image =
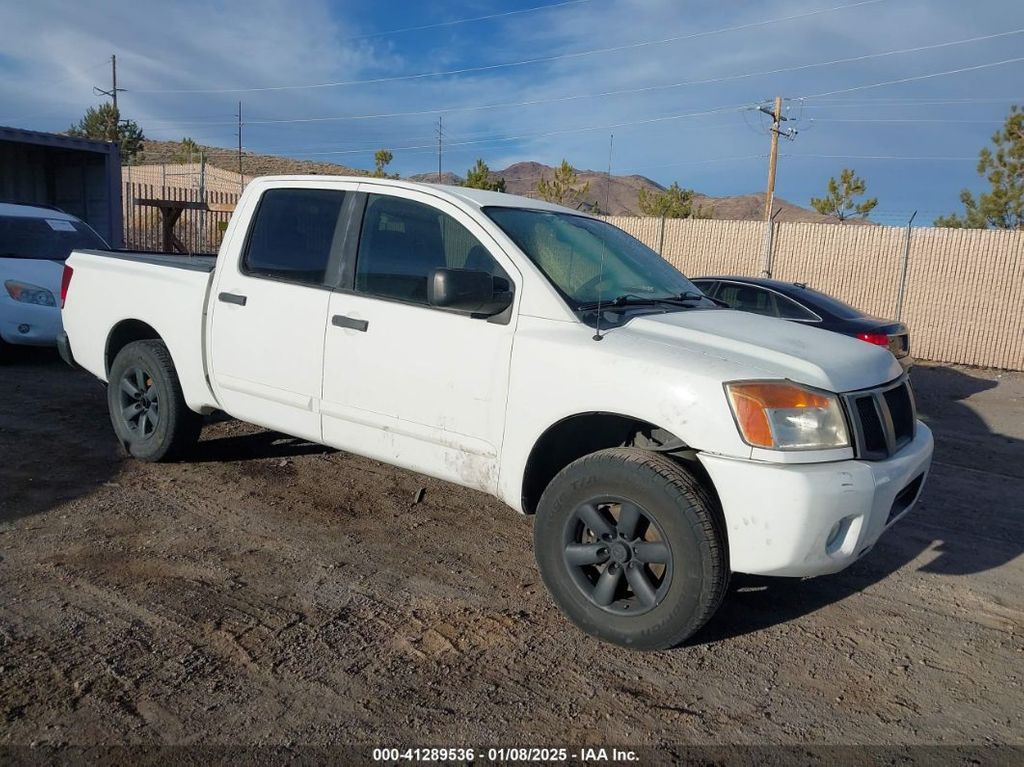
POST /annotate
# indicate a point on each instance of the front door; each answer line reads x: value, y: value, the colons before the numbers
x: 404, y: 382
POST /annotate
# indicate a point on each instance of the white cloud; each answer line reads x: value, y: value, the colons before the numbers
x: 53, y: 53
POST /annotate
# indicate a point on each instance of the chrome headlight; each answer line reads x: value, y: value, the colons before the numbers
x: 29, y: 294
x: 780, y: 415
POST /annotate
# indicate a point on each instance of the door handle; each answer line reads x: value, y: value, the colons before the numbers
x: 341, y: 321
x: 232, y: 298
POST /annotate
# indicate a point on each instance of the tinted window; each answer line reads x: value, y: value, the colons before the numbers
x: 587, y: 259
x: 706, y: 286
x: 832, y: 305
x: 51, y: 239
x: 747, y: 298
x: 293, y: 234
x: 790, y: 310
x: 403, y: 240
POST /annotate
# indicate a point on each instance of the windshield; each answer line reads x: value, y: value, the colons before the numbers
x: 587, y: 259
x: 51, y: 239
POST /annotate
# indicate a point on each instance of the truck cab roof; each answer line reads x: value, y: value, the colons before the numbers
x: 476, y: 198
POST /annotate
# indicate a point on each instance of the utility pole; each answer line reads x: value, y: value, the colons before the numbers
x: 773, y: 156
x: 112, y: 93
x: 241, y: 178
x: 608, y: 178
x: 440, y: 139
x: 775, y: 112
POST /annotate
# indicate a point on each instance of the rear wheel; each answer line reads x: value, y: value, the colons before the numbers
x: 629, y: 544
x: 147, y: 407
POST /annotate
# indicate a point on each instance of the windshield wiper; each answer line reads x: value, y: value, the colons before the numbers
x: 631, y: 299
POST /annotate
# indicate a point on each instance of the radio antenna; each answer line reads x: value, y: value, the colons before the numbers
x: 600, y: 280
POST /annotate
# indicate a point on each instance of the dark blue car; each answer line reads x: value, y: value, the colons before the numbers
x: 796, y: 302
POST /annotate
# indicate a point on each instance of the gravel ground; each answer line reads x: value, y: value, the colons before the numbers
x: 271, y: 591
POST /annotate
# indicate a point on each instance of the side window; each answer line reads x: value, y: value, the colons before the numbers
x: 403, y: 241
x: 791, y: 310
x: 747, y: 298
x: 292, y: 235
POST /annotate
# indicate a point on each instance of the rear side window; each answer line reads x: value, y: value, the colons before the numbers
x: 791, y: 310
x: 50, y: 239
x: 403, y: 241
x: 293, y: 235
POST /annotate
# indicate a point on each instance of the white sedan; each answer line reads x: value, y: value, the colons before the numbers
x: 34, y: 243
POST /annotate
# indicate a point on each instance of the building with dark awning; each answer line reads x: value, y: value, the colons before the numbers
x: 80, y: 176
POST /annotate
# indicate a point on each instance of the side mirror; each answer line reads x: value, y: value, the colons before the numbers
x: 468, y: 290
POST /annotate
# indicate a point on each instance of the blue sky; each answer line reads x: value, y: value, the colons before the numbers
x: 676, y: 89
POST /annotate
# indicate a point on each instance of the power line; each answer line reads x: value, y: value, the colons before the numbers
x: 523, y: 62
x: 917, y: 100
x: 904, y: 120
x: 455, y: 22
x: 544, y: 134
x: 877, y: 157
x: 916, y: 78
x: 634, y: 91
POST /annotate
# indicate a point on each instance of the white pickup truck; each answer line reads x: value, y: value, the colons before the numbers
x: 531, y: 352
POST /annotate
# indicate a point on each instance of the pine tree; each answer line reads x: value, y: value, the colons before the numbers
x: 381, y: 159
x: 1002, y: 207
x: 104, y: 123
x: 188, y: 151
x: 479, y: 177
x: 674, y: 202
x: 840, y: 200
x: 562, y: 188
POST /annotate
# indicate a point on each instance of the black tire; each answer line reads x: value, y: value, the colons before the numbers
x: 147, y: 407
x: 6, y: 351
x: 643, y: 500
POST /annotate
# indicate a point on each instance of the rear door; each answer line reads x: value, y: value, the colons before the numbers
x: 404, y: 382
x: 270, y: 304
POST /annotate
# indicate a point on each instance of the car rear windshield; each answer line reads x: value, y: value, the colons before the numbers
x: 587, y: 259
x: 831, y: 305
x: 50, y: 239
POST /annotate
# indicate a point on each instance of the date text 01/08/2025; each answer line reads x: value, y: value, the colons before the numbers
x: 498, y: 754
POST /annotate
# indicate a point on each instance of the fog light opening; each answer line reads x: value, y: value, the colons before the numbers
x: 24, y: 329
x: 837, y: 535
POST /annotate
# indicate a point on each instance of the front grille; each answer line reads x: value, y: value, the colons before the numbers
x: 883, y: 420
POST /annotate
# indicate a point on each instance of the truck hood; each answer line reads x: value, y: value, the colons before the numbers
x: 770, y: 348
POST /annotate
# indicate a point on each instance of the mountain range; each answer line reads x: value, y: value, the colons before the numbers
x: 614, y: 195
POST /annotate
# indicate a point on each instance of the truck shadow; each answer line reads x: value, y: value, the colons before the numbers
x: 251, y: 447
x: 969, y: 519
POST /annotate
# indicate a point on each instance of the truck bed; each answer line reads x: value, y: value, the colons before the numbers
x: 200, y: 262
x: 114, y: 293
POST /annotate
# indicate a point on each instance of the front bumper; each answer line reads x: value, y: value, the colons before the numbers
x: 812, y: 519
x: 29, y: 324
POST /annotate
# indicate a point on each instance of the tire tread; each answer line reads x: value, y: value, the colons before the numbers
x: 706, y: 520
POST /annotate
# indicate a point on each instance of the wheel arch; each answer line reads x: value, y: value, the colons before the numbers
x: 124, y: 333
x: 581, y: 434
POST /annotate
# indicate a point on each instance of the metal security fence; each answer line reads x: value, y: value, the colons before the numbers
x: 200, y: 231
x: 962, y: 289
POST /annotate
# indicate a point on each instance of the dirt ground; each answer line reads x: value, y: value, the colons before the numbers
x: 274, y: 592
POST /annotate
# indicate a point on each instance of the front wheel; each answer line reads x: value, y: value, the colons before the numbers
x: 147, y: 407
x: 630, y: 546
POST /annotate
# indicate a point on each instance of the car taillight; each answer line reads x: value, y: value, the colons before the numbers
x: 879, y: 339
x: 65, y: 283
